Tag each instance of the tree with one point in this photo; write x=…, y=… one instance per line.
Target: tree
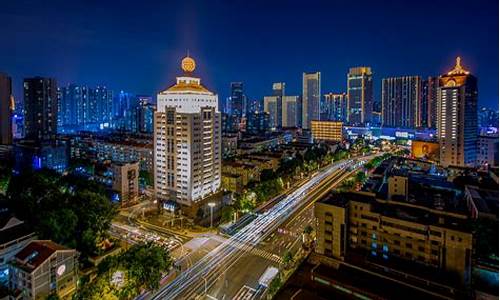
x=287, y=258
x=68, y=210
x=142, y=265
x=227, y=213
x=308, y=229
x=275, y=285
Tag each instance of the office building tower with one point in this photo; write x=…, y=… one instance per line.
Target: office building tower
x=401, y=102
x=40, y=108
x=238, y=102
x=289, y=111
x=274, y=105
x=335, y=107
x=279, y=93
x=187, y=141
x=428, y=104
x=6, y=109
x=271, y=107
x=360, y=95
x=457, y=117
x=311, y=97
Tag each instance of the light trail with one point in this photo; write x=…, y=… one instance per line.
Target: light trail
x=196, y=278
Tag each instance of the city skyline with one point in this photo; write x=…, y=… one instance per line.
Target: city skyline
x=82, y=51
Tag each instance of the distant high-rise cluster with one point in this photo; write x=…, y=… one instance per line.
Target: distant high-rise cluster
x=84, y=108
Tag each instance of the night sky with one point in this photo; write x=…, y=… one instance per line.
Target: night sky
x=136, y=46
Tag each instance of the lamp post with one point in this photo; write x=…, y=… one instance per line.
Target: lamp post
x=211, y=205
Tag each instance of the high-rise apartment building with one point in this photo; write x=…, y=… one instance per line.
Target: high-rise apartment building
x=457, y=128
x=311, y=98
x=360, y=95
x=335, y=107
x=6, y=109
x=187, y=140
x=401, y=102
x=428, y=105
x=40, y=108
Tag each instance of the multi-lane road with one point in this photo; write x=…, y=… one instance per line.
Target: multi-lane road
x=210, y=274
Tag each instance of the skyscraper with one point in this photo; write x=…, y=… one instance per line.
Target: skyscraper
x=360, y=95
x=237, y=99
x=311, y=97
x=335, y=107
x=428, y=106
x=6, y=108
x=457, y=117
x=40, y=108
x=271, y=107
x=401, y=101
x=290, y=111
x=187, y=141
x=274, y=105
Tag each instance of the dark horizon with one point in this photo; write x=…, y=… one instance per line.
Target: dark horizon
x=138, y=47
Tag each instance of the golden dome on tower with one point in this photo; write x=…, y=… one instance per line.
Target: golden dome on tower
x=188, y=64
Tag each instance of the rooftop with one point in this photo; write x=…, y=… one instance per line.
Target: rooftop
x=36, y=253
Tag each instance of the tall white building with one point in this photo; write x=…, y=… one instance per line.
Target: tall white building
x=187, y=140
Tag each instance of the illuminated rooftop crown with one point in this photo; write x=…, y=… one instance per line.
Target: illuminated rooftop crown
x=188, y=64
x=458, y=70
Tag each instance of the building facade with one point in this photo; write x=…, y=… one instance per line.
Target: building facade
x=487, y=150
x=187, y=140
x=290, y=111
x=457, y=128
x=401, y=100
x=335, y=107
x=126, y=182
x=40, y=108
x=359, y=222
x=6, y=109
x=428, y=107
x=44, y=268
x=311, y=98
x=360, y=95
x=326, y=131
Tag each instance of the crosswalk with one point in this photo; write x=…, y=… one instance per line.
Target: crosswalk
x=245, y=293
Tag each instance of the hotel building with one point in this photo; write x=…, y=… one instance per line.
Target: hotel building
x=457, y=128
x=187, y=141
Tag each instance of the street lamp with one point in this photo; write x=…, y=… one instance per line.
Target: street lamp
x=211, y=205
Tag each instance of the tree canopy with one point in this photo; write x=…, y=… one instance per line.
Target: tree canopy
x=68, y=210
